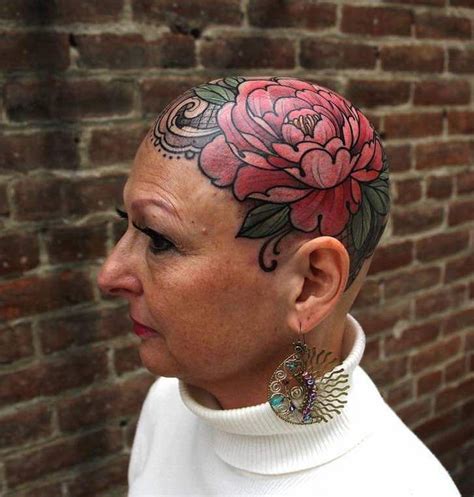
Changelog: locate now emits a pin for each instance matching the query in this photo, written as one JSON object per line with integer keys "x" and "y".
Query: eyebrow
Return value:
{"x": 142, "y": 202}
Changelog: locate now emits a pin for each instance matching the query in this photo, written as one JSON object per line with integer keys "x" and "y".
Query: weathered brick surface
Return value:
{"x": 320, "y": 54}
{"x": 81, "y": 83}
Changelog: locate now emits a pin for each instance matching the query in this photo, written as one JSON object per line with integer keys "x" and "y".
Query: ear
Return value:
{"x": 323, "y": 270}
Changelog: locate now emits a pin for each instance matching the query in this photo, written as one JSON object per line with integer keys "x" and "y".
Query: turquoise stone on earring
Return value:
{"x": 277, "y": 400}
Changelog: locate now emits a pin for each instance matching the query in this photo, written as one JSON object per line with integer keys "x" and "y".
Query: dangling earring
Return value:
{"x": 307, "y": 386}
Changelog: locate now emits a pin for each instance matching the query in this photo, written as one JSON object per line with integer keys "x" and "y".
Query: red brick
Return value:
{"x": 442, "y": 92}
{"x": 376, "y": 21}
{"x": 461, "y": 3}
{"x": 291, "y": 14}
{"x": 23, "y": 152}
{"x": 127, "y": 359}
{"x": 456, "y": 269}
{"x": 453, "y": 439}
{"x": 461, "y": 122}
{"x": 83, "y": 329}
{"x": 67, "y": 100}
{"x": 20, "y": 252}
{"x": 16, "y": 342}
{"x": 461, "y": 61}
{"x": 89, "y": 195}
{"x": 429, "y": 382}
{"x": 115, "y": 145}
{"x": 407, "y": 191}
{"x": 62, "y": 454}
{"x": 370, "y": 294}
{"x": 439, "y": 300}
{"x": 411, "y": 338}
{"x": 158, "y": 93}
{"x": 439, "y": 187}
{"x": 392, "y": 256}
{"x": 76, "y": 243}
{"x": 441, "y": 245}
{"x": 431, "y": 155}
{"x": 248, "y": 52}
{"x": 412, "y": 58}
{"x": 61, "y": 11}
{"x": 415, "y": 412}
{"x": 455, "y": 369}
{"x": 189, "y": 16}
{"x": 458, "y": 320}
{"x": 102, "y": 478}
{"x": 43, "y": 490}
{"x": 461, "y": 211}
{"x": 465, "y": 181}
{"x": 438, "y": 424}
{"x": 4, "y": 204}
{"x": 399, "y": 157}
{"x": 400, "y": 393}
{"x": 104, "y": 403}
{"x": 377, "y": 320}
{"x": 435, "y": 3}
{"x": 435, "y": 354}
{"x": 35, "y": 294}
{"x": 26, "y": 425}
{"x": 416, "y": 219}
{"x": 372, "y": 349}
{"x": 370, "y": 93}
{"x": 38, "y": 198}
{"x": 387, "y": 371}
{"x": 411, "y": 280}
{"x": 442, "y": 27}
{"x": 34, "y": 51}
{"x": 132, "y": 51}
{"x": 319, "y": 54}
{"x": 451, "y": 395}
{"x": 49, "y": 378}
{"x": 413, "y": 125}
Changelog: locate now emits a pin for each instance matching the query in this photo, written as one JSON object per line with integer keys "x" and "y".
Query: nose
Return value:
{"x": 117, "y": 276}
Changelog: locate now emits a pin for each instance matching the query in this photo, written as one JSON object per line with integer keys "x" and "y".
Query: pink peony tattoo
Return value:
{"x": 310, "y": 159}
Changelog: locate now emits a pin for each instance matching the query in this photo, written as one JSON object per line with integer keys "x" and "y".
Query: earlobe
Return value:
{"x": 324, "y": 274}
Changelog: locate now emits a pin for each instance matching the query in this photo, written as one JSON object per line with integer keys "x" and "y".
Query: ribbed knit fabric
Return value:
{"x": 186, "y": 445}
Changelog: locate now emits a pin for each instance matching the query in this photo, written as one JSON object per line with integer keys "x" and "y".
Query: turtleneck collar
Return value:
{"x": 255, "y": 439}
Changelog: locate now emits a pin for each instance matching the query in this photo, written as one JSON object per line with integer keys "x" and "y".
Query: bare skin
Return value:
{"x": 224, "y": 324}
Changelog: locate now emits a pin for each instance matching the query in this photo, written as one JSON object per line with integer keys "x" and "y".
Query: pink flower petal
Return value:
{"x": 324, "y": 171}
{"x": 291, "y": 134}
{"x": 305, "y": 213}
{"x": 253, "y": 180}
{"x": 217, "y": 162}
{"x": 294, "y": 154}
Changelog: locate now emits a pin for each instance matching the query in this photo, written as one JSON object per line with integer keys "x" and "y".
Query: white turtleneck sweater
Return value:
{"x": 186, "y": 445}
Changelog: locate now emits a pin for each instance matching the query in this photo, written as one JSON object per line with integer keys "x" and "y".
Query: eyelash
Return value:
{"x": 154, "y": 235}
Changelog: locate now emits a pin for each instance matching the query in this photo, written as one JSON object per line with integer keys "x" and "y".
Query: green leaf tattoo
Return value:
{"x": 264, "y": 220}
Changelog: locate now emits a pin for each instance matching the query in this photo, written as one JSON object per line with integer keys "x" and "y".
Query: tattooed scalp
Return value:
{"x": 310, "y": 160}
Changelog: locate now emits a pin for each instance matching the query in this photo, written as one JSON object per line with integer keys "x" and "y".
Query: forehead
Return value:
{"x": 181, "y": 184}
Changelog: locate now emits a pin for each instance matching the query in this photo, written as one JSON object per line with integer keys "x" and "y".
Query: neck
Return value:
{"x": 250, "y": 387}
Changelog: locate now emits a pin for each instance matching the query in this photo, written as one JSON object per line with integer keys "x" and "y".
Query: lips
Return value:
{"x": 143, "y": 331}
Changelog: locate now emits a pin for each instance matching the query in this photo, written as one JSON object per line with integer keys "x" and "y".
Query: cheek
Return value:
{"x": 207, "y": 312}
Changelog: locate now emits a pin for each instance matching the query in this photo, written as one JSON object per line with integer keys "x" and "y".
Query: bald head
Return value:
{"x": 298, "y": 157}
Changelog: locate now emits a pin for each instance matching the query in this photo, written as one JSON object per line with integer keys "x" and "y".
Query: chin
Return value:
{"x": 157, "y": 359}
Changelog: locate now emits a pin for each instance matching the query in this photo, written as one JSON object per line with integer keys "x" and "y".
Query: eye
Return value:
{"x": 159, "y": 243}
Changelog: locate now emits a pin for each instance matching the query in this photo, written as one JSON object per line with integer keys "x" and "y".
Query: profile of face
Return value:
{"x": 252, "y": 205}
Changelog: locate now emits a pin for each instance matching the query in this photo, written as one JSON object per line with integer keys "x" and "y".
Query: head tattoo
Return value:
{"x": 310, "y": 159}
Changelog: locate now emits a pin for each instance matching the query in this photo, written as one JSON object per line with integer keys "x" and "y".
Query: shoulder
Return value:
{"x": 398, "y": 455}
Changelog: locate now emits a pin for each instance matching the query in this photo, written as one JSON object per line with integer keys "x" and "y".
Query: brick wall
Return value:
{"x": 81, "y": 81}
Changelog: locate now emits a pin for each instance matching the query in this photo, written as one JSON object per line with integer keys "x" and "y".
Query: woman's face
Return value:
{"x": 217, "y": 313}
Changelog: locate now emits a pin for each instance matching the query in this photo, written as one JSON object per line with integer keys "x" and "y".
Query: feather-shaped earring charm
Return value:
{"x": 308, "y": 387}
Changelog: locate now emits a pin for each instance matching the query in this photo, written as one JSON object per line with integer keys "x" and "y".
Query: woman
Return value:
{"x": 254, "y": 207}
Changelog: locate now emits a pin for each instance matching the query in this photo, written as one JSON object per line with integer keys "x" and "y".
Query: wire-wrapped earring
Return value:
{"x": 307, "y": 386}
